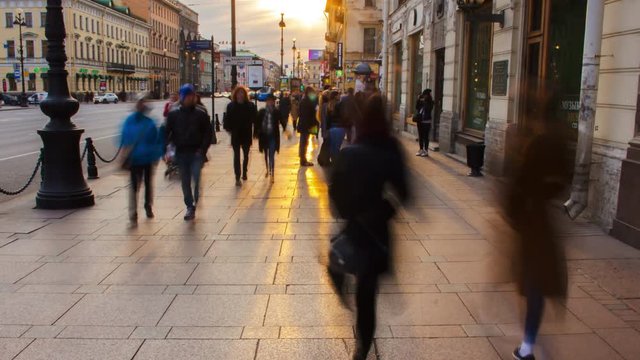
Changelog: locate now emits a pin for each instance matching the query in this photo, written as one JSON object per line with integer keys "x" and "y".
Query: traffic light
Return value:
{"x": 339, "y": 73}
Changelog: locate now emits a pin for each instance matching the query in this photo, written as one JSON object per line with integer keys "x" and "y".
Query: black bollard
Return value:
{"x": 217, "y": 123}
{"x": 92, "y": 169}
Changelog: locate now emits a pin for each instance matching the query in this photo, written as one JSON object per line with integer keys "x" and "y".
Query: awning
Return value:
{"x": 10, "y": 76}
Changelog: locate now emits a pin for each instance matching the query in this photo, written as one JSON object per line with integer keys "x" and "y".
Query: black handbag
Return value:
{"x": 343, "y": 256}
{"x": 324, "y": 157}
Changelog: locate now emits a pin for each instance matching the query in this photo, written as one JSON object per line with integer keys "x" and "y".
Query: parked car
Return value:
{"x": 105, "y": 98}
{"x": 9, "y": 100}
{"x": 262, "y": 93}
{"x": 37, "y": 98}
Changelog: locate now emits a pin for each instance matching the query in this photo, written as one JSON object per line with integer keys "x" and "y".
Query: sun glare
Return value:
{"x": 307, "y": 12}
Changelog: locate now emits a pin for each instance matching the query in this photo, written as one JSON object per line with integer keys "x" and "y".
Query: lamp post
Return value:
{"x": 299, "y": 65}
{"x": 282, "y": 26}
{"x": 234, "y": 69}
{"x": 293, "y": 65}
{"x": 164, "y": 65}
{"x": 122, "y": 47}
{"x": 20, "y": 21}
{"x": 63, "y": 185}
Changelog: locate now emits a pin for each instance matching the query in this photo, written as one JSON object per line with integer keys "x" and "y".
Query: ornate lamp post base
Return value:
{"x": 63, "y": 184}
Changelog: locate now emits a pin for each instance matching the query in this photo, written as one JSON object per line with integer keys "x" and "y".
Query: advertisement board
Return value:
{"x": 340, "y": 56}
{"x": 316, "y": 54}
{"x": 255, "y": 75}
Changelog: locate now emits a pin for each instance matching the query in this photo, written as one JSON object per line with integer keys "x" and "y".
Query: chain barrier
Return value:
{"x": 103, "y": 159}
{"x": 33, "y": 175}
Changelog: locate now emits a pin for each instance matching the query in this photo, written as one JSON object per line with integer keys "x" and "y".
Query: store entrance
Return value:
{"x": 439, "y": 88}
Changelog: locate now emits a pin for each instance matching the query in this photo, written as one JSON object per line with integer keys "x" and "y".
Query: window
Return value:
{"x": 93, "y": 26}
{"x": 417, "y": 61}
{"x": 28, "y": 19}
{"x": 81, "y": 23}
{"x": 369, "y": 46}
{"x": 75, "y": 22}
{"x": 397, "y": 76}
{"x": 401, "y": 2}
{"x": 86, "y": 23}
{"x": 9, "y": 19}
{"x": 93, "y": 52}
{"x": 31, "y": 82}
{"x": 45, "y": 48}
{"x": 11, "y": 49}
{"x": 370, "y": 3}
{"x": 43, "y": 19}
{"x": 98, "y": 27}
{"x": 81, "y": 50}
{"x": 30, "y": 49}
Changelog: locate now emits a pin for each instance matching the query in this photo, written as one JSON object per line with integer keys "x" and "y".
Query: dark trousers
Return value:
{"x": 366, "y": 287}
{"x": 270, "y": 155}
{"x": 423, "y": 135}
{"x": 138, "y": 174}
{"x": 190, "y": 165}
{"x": 236, "y": 159}
{"x": 304, "y": 143}
{"x": 533, "y": 319}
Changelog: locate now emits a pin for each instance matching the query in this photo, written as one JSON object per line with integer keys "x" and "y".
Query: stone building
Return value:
{"x": 485, "y": 76}
{"x": 105, "y": 43}
{"x": 354, "y": 29}
{"x": 313, "y": 72}
{"x": 189, "y": 60}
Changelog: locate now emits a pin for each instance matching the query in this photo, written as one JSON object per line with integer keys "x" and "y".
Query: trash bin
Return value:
{"x": 475, "y": 158}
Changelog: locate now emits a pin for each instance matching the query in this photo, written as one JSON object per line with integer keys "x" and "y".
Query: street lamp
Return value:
{"x": 234, "y": 68}
{"x": 293, "y": 65}
{"x": 299, "y": 65}
{"x": 282, "y": 26}
{"x": 164, "y": 64}
{"x": 20, "y": 21}
{"x": 122, "y": 47}
{"x": 469, "y": 7}
{"x": 63, "y": 185}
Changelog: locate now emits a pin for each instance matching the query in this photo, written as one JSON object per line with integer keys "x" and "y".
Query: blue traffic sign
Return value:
{"x": 199, "y": 45}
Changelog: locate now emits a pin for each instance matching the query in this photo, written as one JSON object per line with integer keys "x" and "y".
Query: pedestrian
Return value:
{"x": 295, "y": 108}
{"x": 285, "y": 105}
{"x": 349, "y": 112}
{"x": 170, "y": 104}
{"x": 308, "y": 125}
{"x": 336, "y": 124}
{"x": 189, "y": 130}
{"x": 539, "y": 176}
{"x": 377, "y": 157}
{"x": 268, "y": 133}
{"x": 143, "y": 144}
{"x": 241, "y": 115}
{"x": 424, "y": 107}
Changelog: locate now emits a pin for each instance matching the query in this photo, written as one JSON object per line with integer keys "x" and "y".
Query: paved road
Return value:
{"x": 20, "y": 143}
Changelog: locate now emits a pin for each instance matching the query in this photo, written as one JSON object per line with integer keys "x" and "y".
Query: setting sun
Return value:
{"x": 309, "y": 13}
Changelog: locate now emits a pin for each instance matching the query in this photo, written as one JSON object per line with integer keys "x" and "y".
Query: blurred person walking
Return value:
{"x": 424, "y": 108}
{"x": 295, "y": 108}
{"x": 366, "y": 206}
{"x": 285, "y": 105}
{"x": 170, "y": 104}
{"x": 189, "y": 129}
{"x": 241, "y": 115}
{"x": 308, "y": 124}
{"x": 336, "y": 124}
{"x": 267, "y": 132}
{"x": 541, "y": 174}
{"x": 143, "y": 145}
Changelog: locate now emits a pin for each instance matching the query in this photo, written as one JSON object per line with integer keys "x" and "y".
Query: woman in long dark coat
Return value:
{"x": 377, "y": 157}
{"x": 267, "y": 131}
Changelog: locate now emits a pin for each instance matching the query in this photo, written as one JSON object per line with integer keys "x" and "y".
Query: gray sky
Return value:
{"x": 257, "y": 24}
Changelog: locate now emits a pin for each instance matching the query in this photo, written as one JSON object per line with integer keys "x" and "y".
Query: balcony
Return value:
{"x": 115, "y": 67}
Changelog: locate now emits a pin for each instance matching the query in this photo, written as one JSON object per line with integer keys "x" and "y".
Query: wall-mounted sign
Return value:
{"x": 340, "y": 56}
{"x": 199, "y": 45}
{"x": 500, "y": 78}
{"x": 316, "y": 55}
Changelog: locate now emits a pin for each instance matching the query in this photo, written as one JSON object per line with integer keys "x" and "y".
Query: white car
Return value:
{"x": 105, "y": 98}
{"x": 37, "y": 98}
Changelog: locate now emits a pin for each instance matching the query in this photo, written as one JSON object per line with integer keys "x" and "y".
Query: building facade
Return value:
{"x": 354, "y": 36}
{"x": 107, "y": 47}
{"x": 313, "y": 73}
{"x": 206, "y": 68}
{"x": 485, "y": 78}
{"x": 189, "y": 60}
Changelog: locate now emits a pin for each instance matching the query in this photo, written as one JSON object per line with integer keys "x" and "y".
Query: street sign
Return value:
{"x": 340, "y": 56}
{"x": 255, "y": 74}
{"x": 16, "y": 72}
{"x": 241, "y": 60}
{"x": 199, "y": 45}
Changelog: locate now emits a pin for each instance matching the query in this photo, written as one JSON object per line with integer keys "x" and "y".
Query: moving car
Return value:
{"x": 261, "y": 94}
{"x": 105, "y": 98}
{"x": 9, "y": 100}
{"x": 37, "y": 98}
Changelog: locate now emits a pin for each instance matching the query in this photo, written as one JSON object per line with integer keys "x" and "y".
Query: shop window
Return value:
{"x": 31, "y": 83}
{"x": 417, "y": 61}
{"x": 13, "y": 86}
{"x": 477, "y": 76}
{"x": 397, "y": 76}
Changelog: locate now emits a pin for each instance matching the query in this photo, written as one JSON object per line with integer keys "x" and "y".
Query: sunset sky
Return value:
{"x": 257, "y": 24}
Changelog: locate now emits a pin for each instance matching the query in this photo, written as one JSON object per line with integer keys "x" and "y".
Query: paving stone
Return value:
{"x": 306, "y": 310}
{"x": 117, "y": 310}
{"x": 302, "y": 349}
{"x": 96, "y": 332}
{"x": 625, "y": 341}
{"x": 304, "y": 248}
{"x": 309, "y": 289}
{"x": 422, "y": 309}
{"x": 271, "y": 289}
{"x": 261, "y": 332}
{"x": 104, "y": 248}
{"x": 173, "y": 248}
{"x": 436, "y": 349}
{"x": 91, "y": 289}
{"x": 245, "y": 248}
{"x": 205, "y": 332}
{"x": 216, "y": 310}
{"x": 37, "y": 247}
{"x": 12, "y": 331}
{"x": 225, "y": 290}
{"x": 467, "y": 272}
{"x": 453, "y": 288}
{"x": 482, "y": 330}
{"x": 9, "y": 348}
{"x": 233, "y": 274}
{"x": 197, "y": 350}
{"x": 151, "y": 274}
{"x": 150, "y": 332}
{"x": 89, "y": 259}
{"x": 34, "y": 309}
{"x": 67, "y": 274}
{"x": 49, "y": 289}
{"x": 437, "y": 331}
{"x": 135, "y": 289}
{"x": 593, "y": 314}
{"x": 43, "y": 332}
{"x": 240, "y": 259}
{"x": 460, "y": 250}
{"x": 317, "y": 332}
{"x": 10, "y": 272}
{"x": 301, "y": 274}
{"x": 577, "y": 346}
{"x": 71, "y": 349}
{"x": 180, "y": 289}
{"x": 415, "y": 274}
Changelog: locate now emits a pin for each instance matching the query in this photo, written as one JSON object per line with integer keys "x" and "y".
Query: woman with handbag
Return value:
{"x": 143, "y": 146}
{"x": 363, "y": 247}
{"x": 422, "y": 118}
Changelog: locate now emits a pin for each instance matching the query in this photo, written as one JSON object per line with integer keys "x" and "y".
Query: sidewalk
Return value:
{"x": 247, "y": 280}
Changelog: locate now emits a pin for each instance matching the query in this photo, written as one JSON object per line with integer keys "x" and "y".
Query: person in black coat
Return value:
{"x": 308, "y": 124}
{"x": 285, "y": 106}
{"x": 377, "y": 157}
{"x": 424, "y": 108}
{"x": 241, "y": 115}
{"x": 267, "y": 131}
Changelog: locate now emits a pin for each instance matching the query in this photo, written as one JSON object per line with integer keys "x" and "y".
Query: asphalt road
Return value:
{"x": 20, "y": 143}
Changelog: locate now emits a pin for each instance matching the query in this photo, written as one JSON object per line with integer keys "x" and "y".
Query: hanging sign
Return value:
{"x": 340, "y": 56}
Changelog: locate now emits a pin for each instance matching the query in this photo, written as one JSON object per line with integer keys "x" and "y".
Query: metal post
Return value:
{"x": 282, "y": 26}
{"x": 234, "y": 69}
{"x": 164, "y": 64}
{"x": 213, "y": 79}
{"x": 63, "y": 185}
{"x": 293, "y": 64}
{"x": 92, "y": 169}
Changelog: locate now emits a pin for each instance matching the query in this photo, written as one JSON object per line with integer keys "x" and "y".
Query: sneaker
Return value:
{"x": 306, "y": 163}
{"x": 149, "y": 212}
{"x": 517, "y": 356}
{"x": 244, "y": 177}
{"x": 191, "y": 214}
{"x": 238, "y": 182}
{"x": 419, "y": 153}
{"x": 425, "y": 153}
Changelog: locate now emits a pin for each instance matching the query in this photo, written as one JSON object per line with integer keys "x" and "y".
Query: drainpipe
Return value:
{"x": 385, "y": 43}
{"x": 588, "y": 99}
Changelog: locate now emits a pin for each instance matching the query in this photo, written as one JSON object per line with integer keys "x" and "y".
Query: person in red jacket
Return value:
{"x": 169, "y": 105}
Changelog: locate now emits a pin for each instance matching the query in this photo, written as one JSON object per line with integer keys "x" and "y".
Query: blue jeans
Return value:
{"x": 533, "y": 319}
{"x": 336, "y": 138}
{"x": 270, "y": 154}
{"x": 190, "y": 165}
